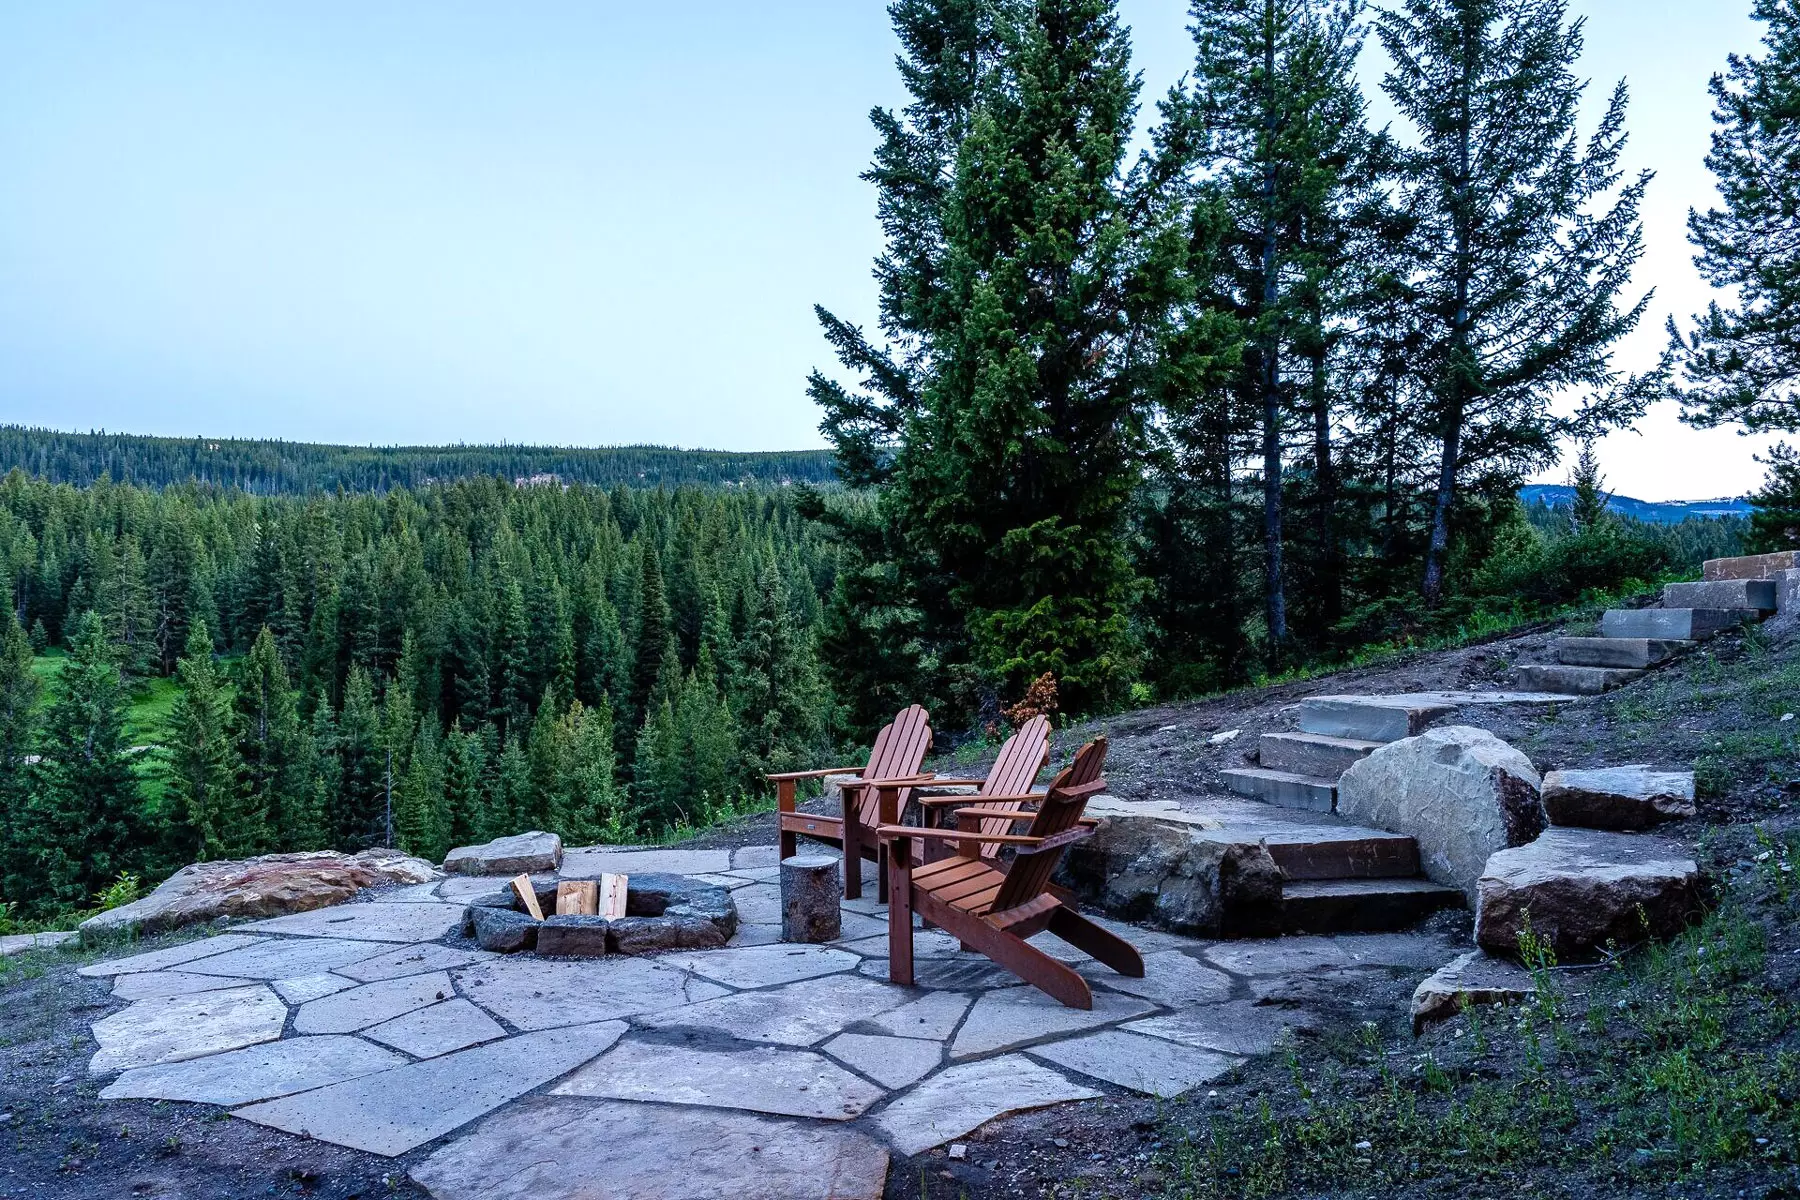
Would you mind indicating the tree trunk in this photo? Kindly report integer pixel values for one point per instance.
(1269, 371)
(1331, 592)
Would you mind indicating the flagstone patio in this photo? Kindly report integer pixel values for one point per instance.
(759, 1070)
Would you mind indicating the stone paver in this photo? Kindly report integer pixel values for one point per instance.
(310, 987)
(174, 956)
(459, 890)
(967, 1096)
(762, 966)
(394, 1111)
(932, 1017)
(181, 1027)
(793, 1083)
(1237, 1028)
(754, 935)
(893, 1062)
(963, 973)
(1134, 1061)
(149, 985)
(569, 1149)
(256, 1073)
(796, 1014)
(927, 943)
(1170, 977)
(417, 893)
(585, 864)
(369, 922)
(759, 904)
(726, 881)
(1277, 958)
(768, 856)
(282, 958)
(437, 1029)
(1018, 1016)
(413, 960)
(543, 995)
(372, 1003)
(19, 943)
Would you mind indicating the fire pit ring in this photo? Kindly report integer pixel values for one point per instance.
(662, 912)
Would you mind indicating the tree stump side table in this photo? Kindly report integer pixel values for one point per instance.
(810, 888)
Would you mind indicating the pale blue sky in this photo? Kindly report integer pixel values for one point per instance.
(584, 223)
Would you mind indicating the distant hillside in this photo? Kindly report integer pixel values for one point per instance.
(1665, 512)
(275, 467)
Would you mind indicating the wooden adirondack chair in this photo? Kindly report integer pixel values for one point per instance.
(1007, 785)
(899, 751)
(992, 910)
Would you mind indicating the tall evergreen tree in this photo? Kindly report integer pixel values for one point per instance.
(465, 794)
(1521, 240)
(85, 811)
(216, 819)
(18, 710)
(359, 814)
(592, 809)
(421, 806)
(1741, 362)
(274, 751)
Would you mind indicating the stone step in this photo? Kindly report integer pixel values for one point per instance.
(1579, 681)
(1369, 718)
(1751, 566)
(1672, 624)
(1617, 652)
(1722, 593)
(1283, 788)
(1311, 753)
(1361, 905)
(1350, 854)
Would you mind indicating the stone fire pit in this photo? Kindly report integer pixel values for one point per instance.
(662, 912)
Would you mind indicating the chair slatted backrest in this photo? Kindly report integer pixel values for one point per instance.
(899, 751)
(1013, 773)
(1061, 807)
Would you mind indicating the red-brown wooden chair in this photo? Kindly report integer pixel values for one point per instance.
(896, 757)
(1007, 785)
(994, 910)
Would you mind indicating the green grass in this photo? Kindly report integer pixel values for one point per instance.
(147, 718)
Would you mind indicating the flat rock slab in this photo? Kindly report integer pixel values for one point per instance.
(150, 985)
(174, 956)
(1583, 888)
(437, 1029)
(257, 1073)
(568, 1149)
(19, 943)
(303, 988)
(543, 995)
(412, 960)
(418, 893)
(1468, 979)
(394, 1111)
(893, 1062)
(372, 1003)
(520, 854)
(792, 1083)
(965, 1097)
(282, 958)
(759, 904)
(1170, 978)
(370, 922)
(764, 856)
(1018, 1016)
(933, 1017)
(927, 943)
(1277, 956)
(796, 1014)
(1400, 715)
(588, 863)
(1240, 1027)
(1131, 1060)
(1621, 798)
(764, 966)
(177, 1028)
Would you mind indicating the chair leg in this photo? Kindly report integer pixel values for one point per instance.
(900, 940)
(1055, 979)
(1103, 944)
(853, 853)
(788, 843)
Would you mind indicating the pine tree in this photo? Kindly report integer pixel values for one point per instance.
(1521, 240)
(215, 818)
(592, 811)
(421, 806)
(359, 815)
(85, 811)
(511, 798)
(18, 709)
(512, 662)
(1588, 507)
(654, 639)
(274, 751)
(1742, 361)
(548, 754)
(776, 692)
(465, 796)
(1775, 519)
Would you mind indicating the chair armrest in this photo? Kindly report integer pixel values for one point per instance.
(897, 782)
(941, 801)
(819, 774)
(999, 814)
(944, 782)
(888, 833)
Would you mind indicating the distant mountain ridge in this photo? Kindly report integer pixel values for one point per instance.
(1662, 512)
(274, 467)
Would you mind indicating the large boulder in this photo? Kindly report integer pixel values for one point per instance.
(1460, 792)
(1175, 877)
(1634, 797)
(520, 854)
(1580, 889)
(1467, 980)
(269, 886)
